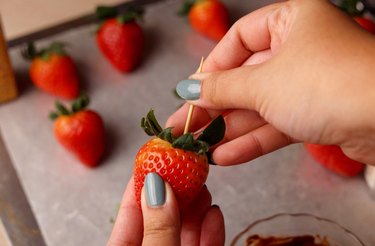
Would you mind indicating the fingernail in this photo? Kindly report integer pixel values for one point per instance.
(210, 161)
(189, 89)
(155, 190)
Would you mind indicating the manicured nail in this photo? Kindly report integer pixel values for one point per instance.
(189, 89)
(155, 190)
(210, 161)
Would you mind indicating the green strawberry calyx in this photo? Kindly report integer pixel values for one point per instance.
(131, 13)
(185, 8)
(30, 52)
(78, 105)
(211, 135)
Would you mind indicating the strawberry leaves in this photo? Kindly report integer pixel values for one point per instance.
(187, 142)
(81, 103)
(212, 135)
(132, 13)
(30, 52)
(150, 124)
(215, 132)
(104, 12)
(78, 105)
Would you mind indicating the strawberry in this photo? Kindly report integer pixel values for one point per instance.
(367, 24)
(332, 157)
(120, 38)
(181, 161)
(80, 131)
(53, 71)
(208, 17)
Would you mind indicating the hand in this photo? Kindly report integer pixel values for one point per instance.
(289, 72)
(200, 224)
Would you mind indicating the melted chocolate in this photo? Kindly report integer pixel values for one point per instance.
(307, 240)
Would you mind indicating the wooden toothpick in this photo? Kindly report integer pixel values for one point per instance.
(191, 107)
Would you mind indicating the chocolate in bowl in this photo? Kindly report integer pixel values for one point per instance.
(299, 226)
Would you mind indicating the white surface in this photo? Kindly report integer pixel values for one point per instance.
(73, 204)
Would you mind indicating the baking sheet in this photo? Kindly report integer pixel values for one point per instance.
(74, 205)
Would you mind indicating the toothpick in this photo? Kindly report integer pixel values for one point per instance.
(191, 107)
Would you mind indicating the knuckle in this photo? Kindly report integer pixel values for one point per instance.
(279, 23)
(156, 228)
(210, 89)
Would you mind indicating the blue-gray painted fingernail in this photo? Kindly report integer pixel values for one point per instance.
(189, 89)
(155, 190)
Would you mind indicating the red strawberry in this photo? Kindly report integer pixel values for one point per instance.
(367, 24)
(332, 157)
(121, 39)
(208, 17)
(53, 71)
(182, 161)
(81, 131)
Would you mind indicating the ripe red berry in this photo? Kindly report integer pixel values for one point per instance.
(80, 131)
(121, 40)
(182, 161)
(53, 71)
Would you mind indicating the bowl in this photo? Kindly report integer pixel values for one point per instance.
(299, 224)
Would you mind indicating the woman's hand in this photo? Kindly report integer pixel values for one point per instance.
(289, 72)
(160, 223)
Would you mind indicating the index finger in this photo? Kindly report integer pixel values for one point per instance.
(248, 35)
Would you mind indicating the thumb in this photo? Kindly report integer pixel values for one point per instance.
(161, 218)
(234, 88)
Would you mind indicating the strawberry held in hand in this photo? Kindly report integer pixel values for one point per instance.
(120, 38)
(182, 161)
(208, 17)
(53, 71)
(332, 157)
(80, 130)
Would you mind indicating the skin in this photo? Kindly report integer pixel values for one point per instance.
(200, 224)
(293, 71)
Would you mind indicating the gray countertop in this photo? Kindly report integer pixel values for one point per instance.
(73, 205)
